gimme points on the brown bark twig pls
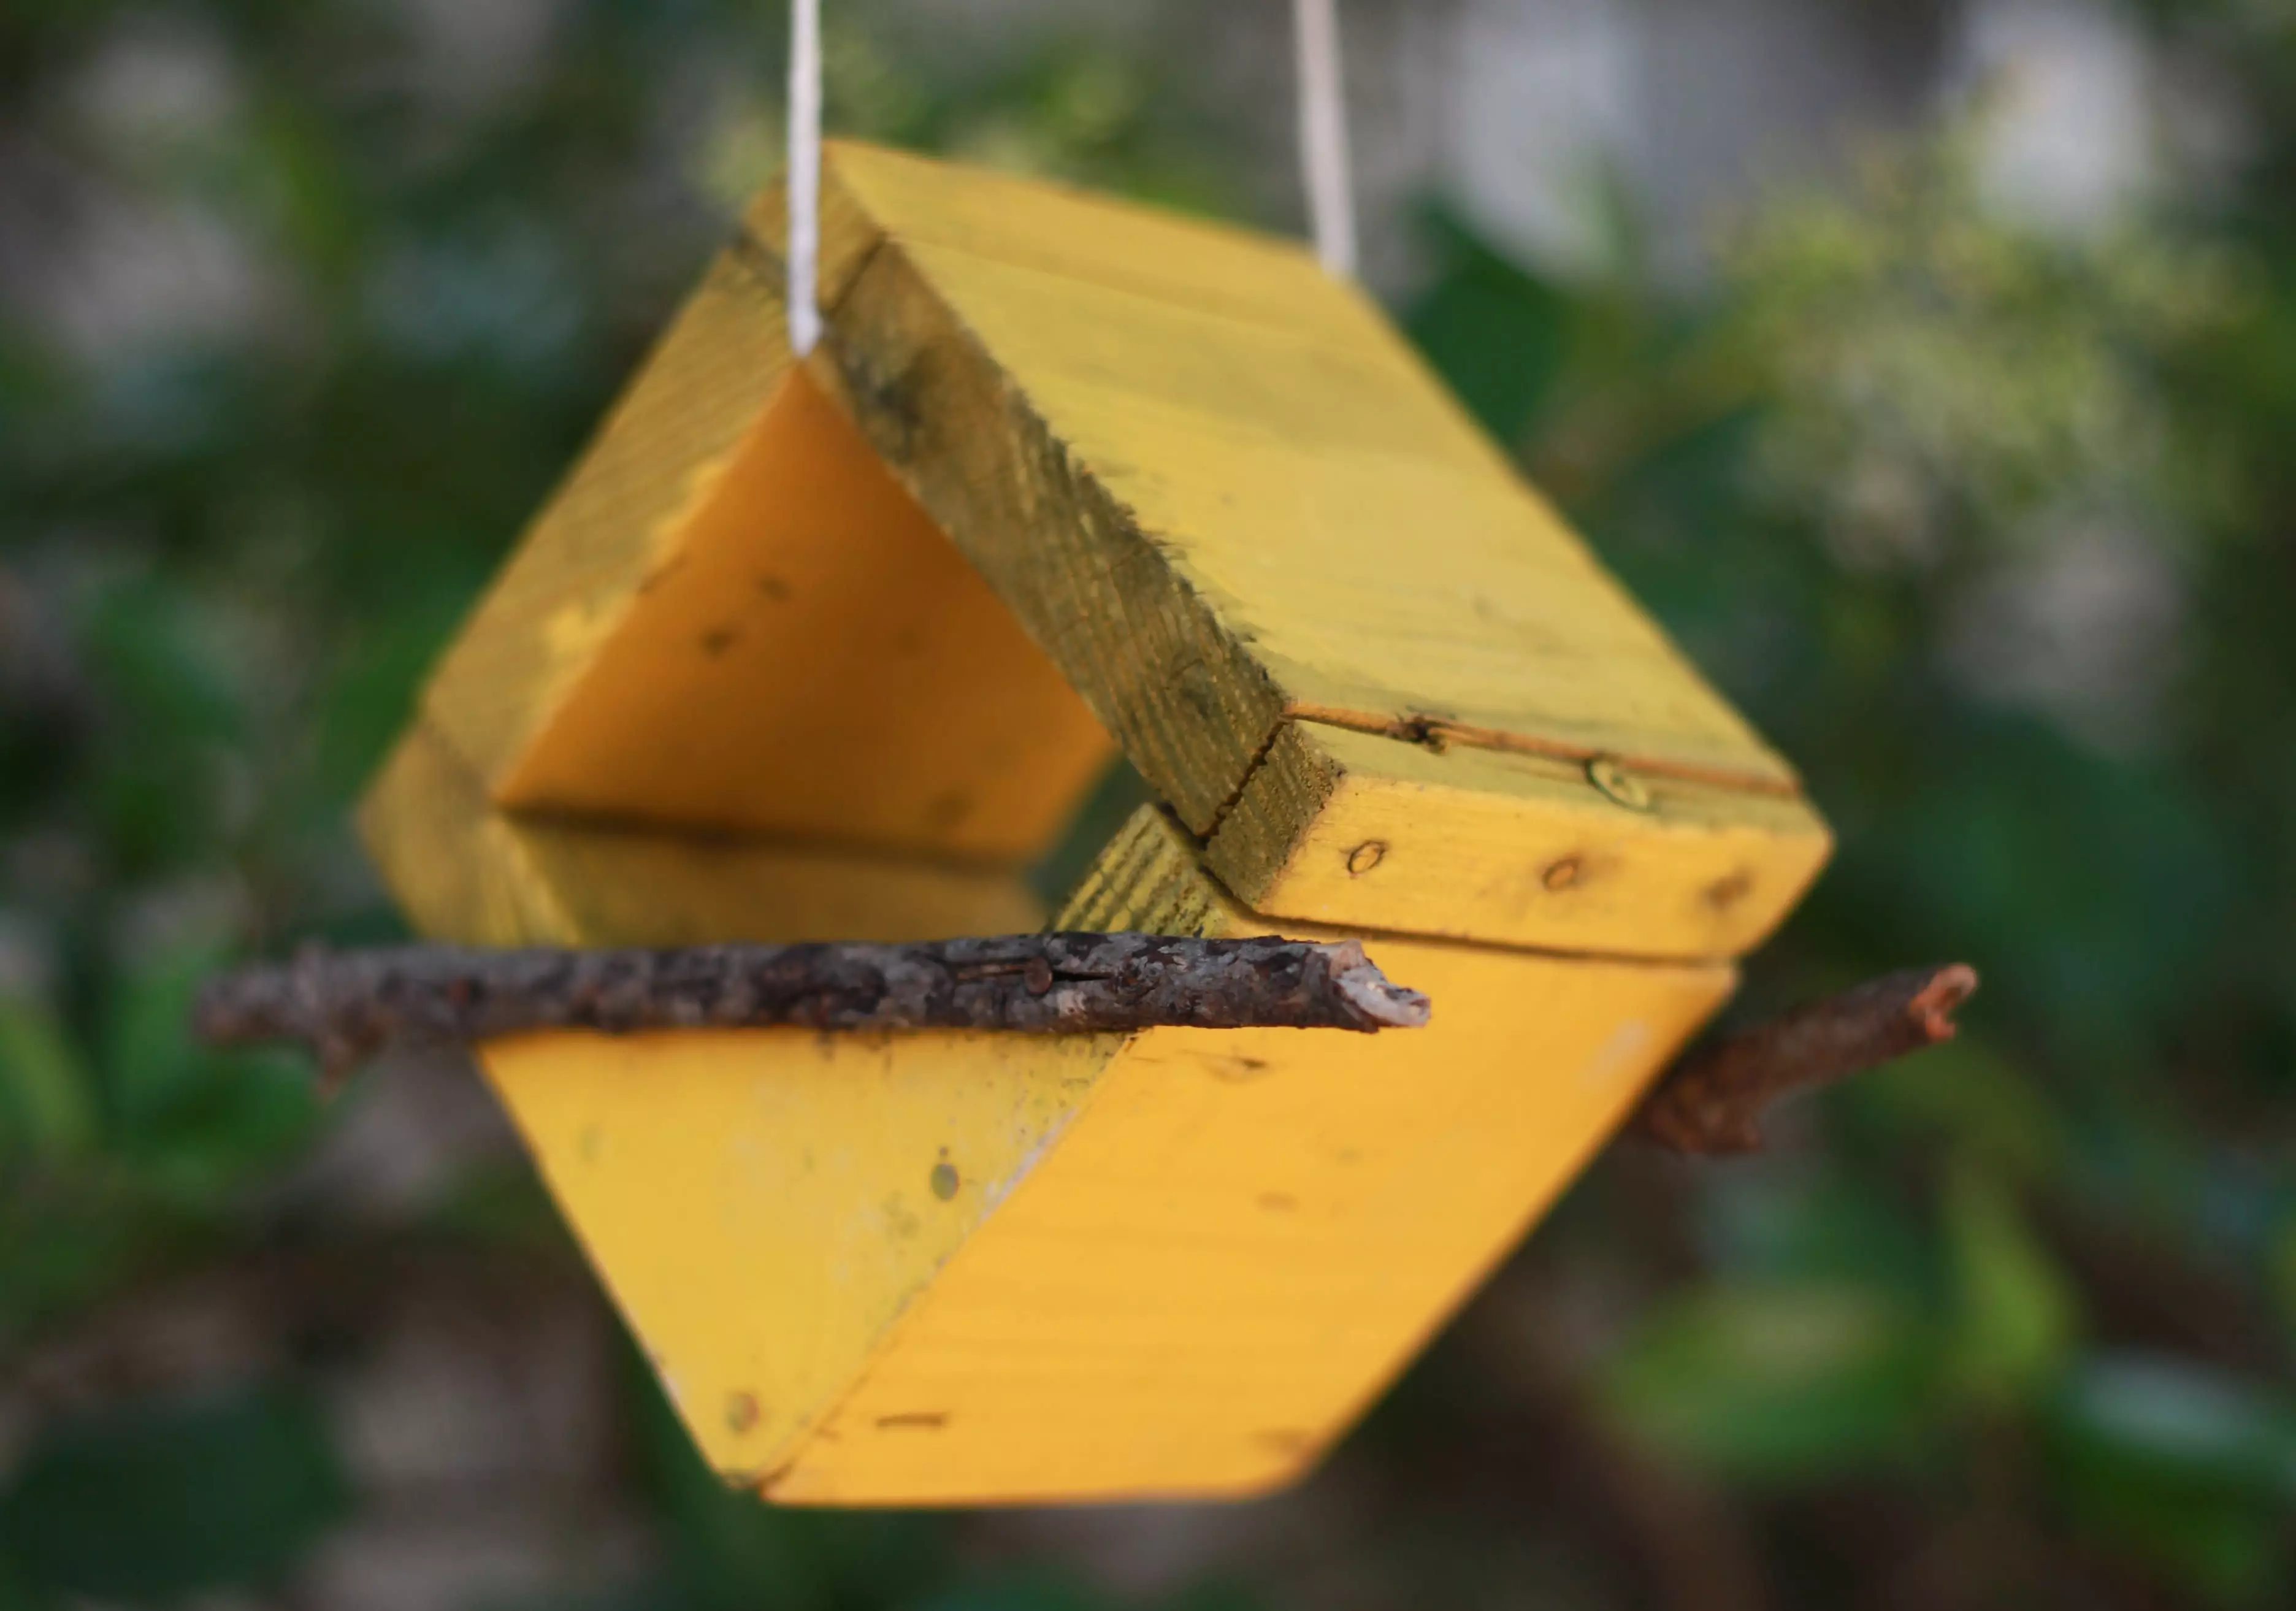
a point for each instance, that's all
(1712, 1103)
(346, 1005)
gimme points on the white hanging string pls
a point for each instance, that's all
(804, 174)
(1323, 135)
(1323, 153)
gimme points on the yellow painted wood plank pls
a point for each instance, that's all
(815, 658)
(1240, 1237)
(1223, 499)
(1043, 224)
(1316, 493)
(732, 617)
(463, 870)
(825, 1242)
(754, 1201)
(1360, 830)
(1187, 465)
(1153, 662)
(763, 1205)
(626, 888)
(458, 870)
(1294, 487)
(658, 453)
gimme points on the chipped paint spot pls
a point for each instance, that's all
(1624, 1053)
(913, 1420)
(1029, 1160)
(572, 631)
(742, 1412)
(947, 809)
(943, 1180)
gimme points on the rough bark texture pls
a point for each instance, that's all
(347, 1005)
(1712, 1102)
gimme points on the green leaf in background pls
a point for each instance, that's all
(165, 1500)
(1030, 1593)
(1972, 1098)
(1986, 525)
(1777, 1383)
(1037, 1591)
(1496, 330)
(47, 1106)
(2015, 1316)
(198, 1121)
(2183, 1466)
(1820, 1226)
(2280, 1273)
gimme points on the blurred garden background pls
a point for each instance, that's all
(1928, 365)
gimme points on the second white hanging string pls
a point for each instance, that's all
(1323, 153)
(1323, 135)
(804, 174)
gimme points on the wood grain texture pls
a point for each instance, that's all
(1362, 831)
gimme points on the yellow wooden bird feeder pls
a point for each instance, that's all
(834, 649)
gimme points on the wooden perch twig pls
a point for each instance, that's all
(347, 1005)
(1713, 1101)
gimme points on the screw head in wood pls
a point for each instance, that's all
(1611, 780)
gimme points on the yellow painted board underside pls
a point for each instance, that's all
(463, 871)
(950, 1268)
(1358, 829)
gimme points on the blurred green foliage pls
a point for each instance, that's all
(1993, 530)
